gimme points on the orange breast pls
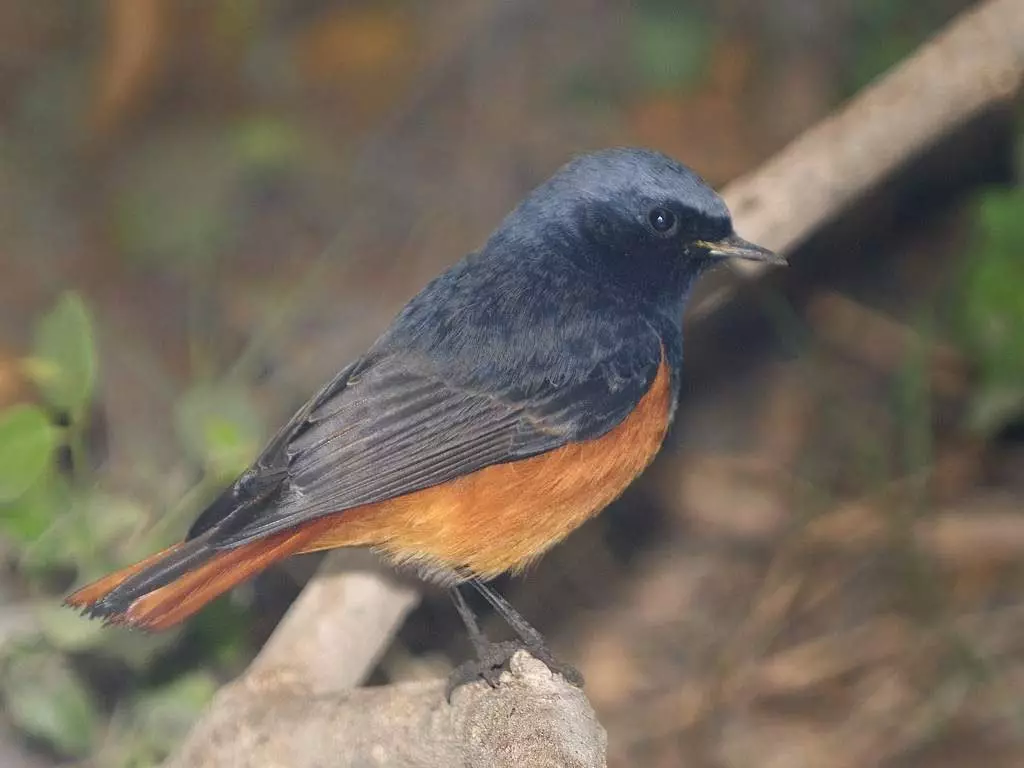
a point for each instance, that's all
(504, 516)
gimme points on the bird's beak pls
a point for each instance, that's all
(735, 247)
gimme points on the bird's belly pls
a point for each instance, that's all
(504, 516)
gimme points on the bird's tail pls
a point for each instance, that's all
(168, 587)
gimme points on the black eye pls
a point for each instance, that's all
(662, 220)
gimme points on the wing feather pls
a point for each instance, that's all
(393, 427)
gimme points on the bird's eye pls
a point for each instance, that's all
(662, 221)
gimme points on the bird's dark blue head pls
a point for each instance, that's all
(636, 221)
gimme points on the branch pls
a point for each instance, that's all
(534, 718)
(336, 630)
(972, 67)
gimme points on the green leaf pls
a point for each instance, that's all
(65, 354)
(31, 522)
(220, 428)
(27, 442)
(25, 520)
(46, 699)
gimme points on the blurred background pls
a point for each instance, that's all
(208, 207)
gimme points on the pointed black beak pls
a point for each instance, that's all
(735, 247)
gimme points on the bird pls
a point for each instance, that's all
(514, 397)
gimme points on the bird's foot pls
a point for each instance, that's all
(494, 658)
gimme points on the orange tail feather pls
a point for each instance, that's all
(97, 590)
(162, 604)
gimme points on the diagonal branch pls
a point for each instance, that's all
(974, 66)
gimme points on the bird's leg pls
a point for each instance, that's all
(477, 637)
(532, 640)
(491, 658)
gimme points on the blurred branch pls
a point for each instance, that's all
(137, 35)
(984, 529)
(335, 632)
(975, 65)
(534, 718)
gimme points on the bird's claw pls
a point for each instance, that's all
(494, 658)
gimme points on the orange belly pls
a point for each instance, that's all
(503, 517)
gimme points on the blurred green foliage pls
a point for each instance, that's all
(168, 214)
(991, 317)
(668, 51)
(670, 44)
(27, 442)
(48, 700)
(55, 521)
(65, 357)
(219, 427)
(181, 200)
(154, 720)
(886, 31)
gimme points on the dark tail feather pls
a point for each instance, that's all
(110, 597)
(170, 586)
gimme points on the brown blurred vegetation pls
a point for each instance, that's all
(823, 568)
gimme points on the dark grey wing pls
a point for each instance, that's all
(264, 478)
(394, 428)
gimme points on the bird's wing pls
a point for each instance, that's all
(391, 427)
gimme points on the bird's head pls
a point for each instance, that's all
(637, 220)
